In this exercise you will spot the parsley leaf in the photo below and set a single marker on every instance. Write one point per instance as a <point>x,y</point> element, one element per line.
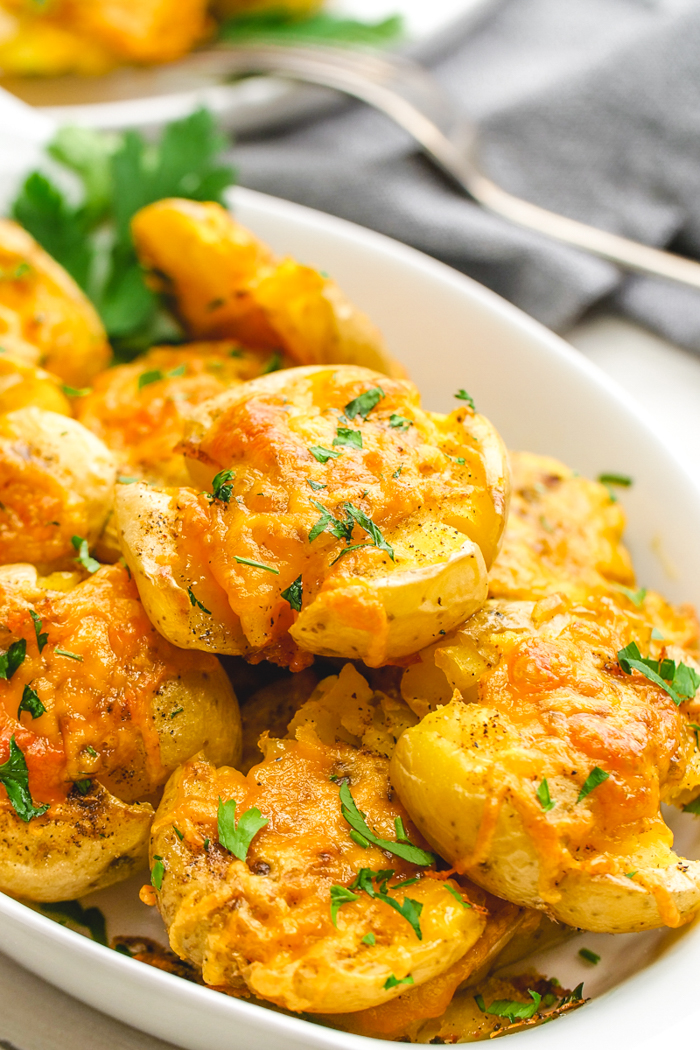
<point>12,659</point>
<point>363,405</point>
<point>82,786</point>
<point>324,454</point>
<point>195,602</point>
<point>255,564</point>
<point>394,982</point>
<point>83,557</point>
<point>157,872</point>
<point>146,378</point>
<point>462,395</point>
<point>91,918</point>
<point>356,820</point>
<point>369,939</point>
<point>72,391</point>
<point>119,175</point>
<point>368,525</point>
<point>30,702</point>
<point>315,485</point>
<point>349,437</point>
<point>294,594</point>
<point>594,779</point>
<point>273,365</point>
<point>510,1009</point>
<point>616,479</point>
<point>280,25</point>
<point>399,422</point>
<point>64,652</point>
<point>589,956</point>
<point>636,597</point>
<point>680,681</point>
<point>221,485</point>
<point>41,639</point>
<point>14,777</point>
<point>340,896</point>
<point>457,896</point>
<point>693,807</point>
<point>237,837</point>
<point>327,523</point>
<point>543,797</point>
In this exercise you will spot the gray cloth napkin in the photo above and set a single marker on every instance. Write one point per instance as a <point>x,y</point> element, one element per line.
<point>588,107</point>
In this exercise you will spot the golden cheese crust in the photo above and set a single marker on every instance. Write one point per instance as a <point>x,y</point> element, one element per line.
<point>118,709</point>
<point>23,385</point>
<point>551,703</point>
<point>139,409</point>
<point>56,482</point>
<point>389,517</point>
<point>43,308</point>
<point>224,283</point>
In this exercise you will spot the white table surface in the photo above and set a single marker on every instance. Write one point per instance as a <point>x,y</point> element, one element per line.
<point>666,382</point>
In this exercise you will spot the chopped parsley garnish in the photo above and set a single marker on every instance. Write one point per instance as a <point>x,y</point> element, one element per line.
<point>680,681</point>
<point>14,777</point>
<point>83,555</point>
<point>543,797</point>
<point>399,422</point>
<point>356,820</point>
<point>340,895</point>
<point>157,872</point>
<point>82,786</point>
<point>89,750</point>
<point>41,639</point>
<point>594,779</point>
<point>31,703</point>
<point>154,375</point>
<point>657,635</point>
<point>462,395</point>
<point>510,1009</point>
<point>622,480</point>
<point>397,472</point>
<point>176,712</point>
<point>369,939</point>
<point>273,365</point>
<point>234,836</point>
<point>64,652</point>
<point>315,485</point>
<point>221,485</point>
<point>349,437</point>
<point>294,593</point>
<point>394,982</point>
<point>401,835</point>
<point>195,602</point>
<point>363,405</point>
<point>72,391</point>
<point>324,454</point>
<point>13,658</point>
<point>696,729</point>
<point>125,479</point>
<point>409,909</point>
<point>589,956</point>
<point>343,529</point>
<point>327,523</point>
<point>693,807</point>
<point>457,896</point>
<point>574,997</point>
<point>179,833</point>
<point>636,597</point>
<point>631,874</point>
<point>92,919</point>
<point>255,564</point>
<point>281,26</point>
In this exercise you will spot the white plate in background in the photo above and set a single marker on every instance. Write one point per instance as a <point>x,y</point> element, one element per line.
<point>151,96</point>
<point>542,395</point>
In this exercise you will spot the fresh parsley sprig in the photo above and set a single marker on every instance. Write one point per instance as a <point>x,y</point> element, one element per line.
<point>13,658</point>
<point>680,681</point>
<point>31,703</point>
<point>83,556</point>
<point>364,403</point>
<point>236,836</point>
<point>41,639</point>
<point>356,820</point>
<point>14,777</point>
<point>510,1009</point>
<point>409,909</point>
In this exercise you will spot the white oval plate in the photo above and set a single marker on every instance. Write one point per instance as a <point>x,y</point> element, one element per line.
<point>543,396</point>
<point>146,98</point>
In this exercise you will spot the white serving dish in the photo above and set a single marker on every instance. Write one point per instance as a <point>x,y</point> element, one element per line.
<point>147,98</point>
<point>449,332</point>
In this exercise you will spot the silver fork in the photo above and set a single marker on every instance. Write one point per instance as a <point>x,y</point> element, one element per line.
<point>406,93</point>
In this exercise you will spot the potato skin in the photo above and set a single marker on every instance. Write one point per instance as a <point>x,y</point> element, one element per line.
<point>52,313</point>
<point>224,283</point>
<point>23,385</point>
<point>122,710</point>
<point>552,703</point>
<point>82,844</point>
<point>56,482</point>
<point>430,484</point>
<point>277,940</point>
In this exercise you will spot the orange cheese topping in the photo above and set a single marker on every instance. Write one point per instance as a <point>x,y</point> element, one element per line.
<point>400,466</point>
<point>144,423</point>
<point>98,700</point>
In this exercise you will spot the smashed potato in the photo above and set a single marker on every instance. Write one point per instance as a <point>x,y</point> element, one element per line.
<point>224,283</point>
<point>139,409</point>
<point>56,483</point>
<point>350,520</point>
<point>546,789</point>
<point>96,710</point>
<point>23,385</point>
<point>42,307</point>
